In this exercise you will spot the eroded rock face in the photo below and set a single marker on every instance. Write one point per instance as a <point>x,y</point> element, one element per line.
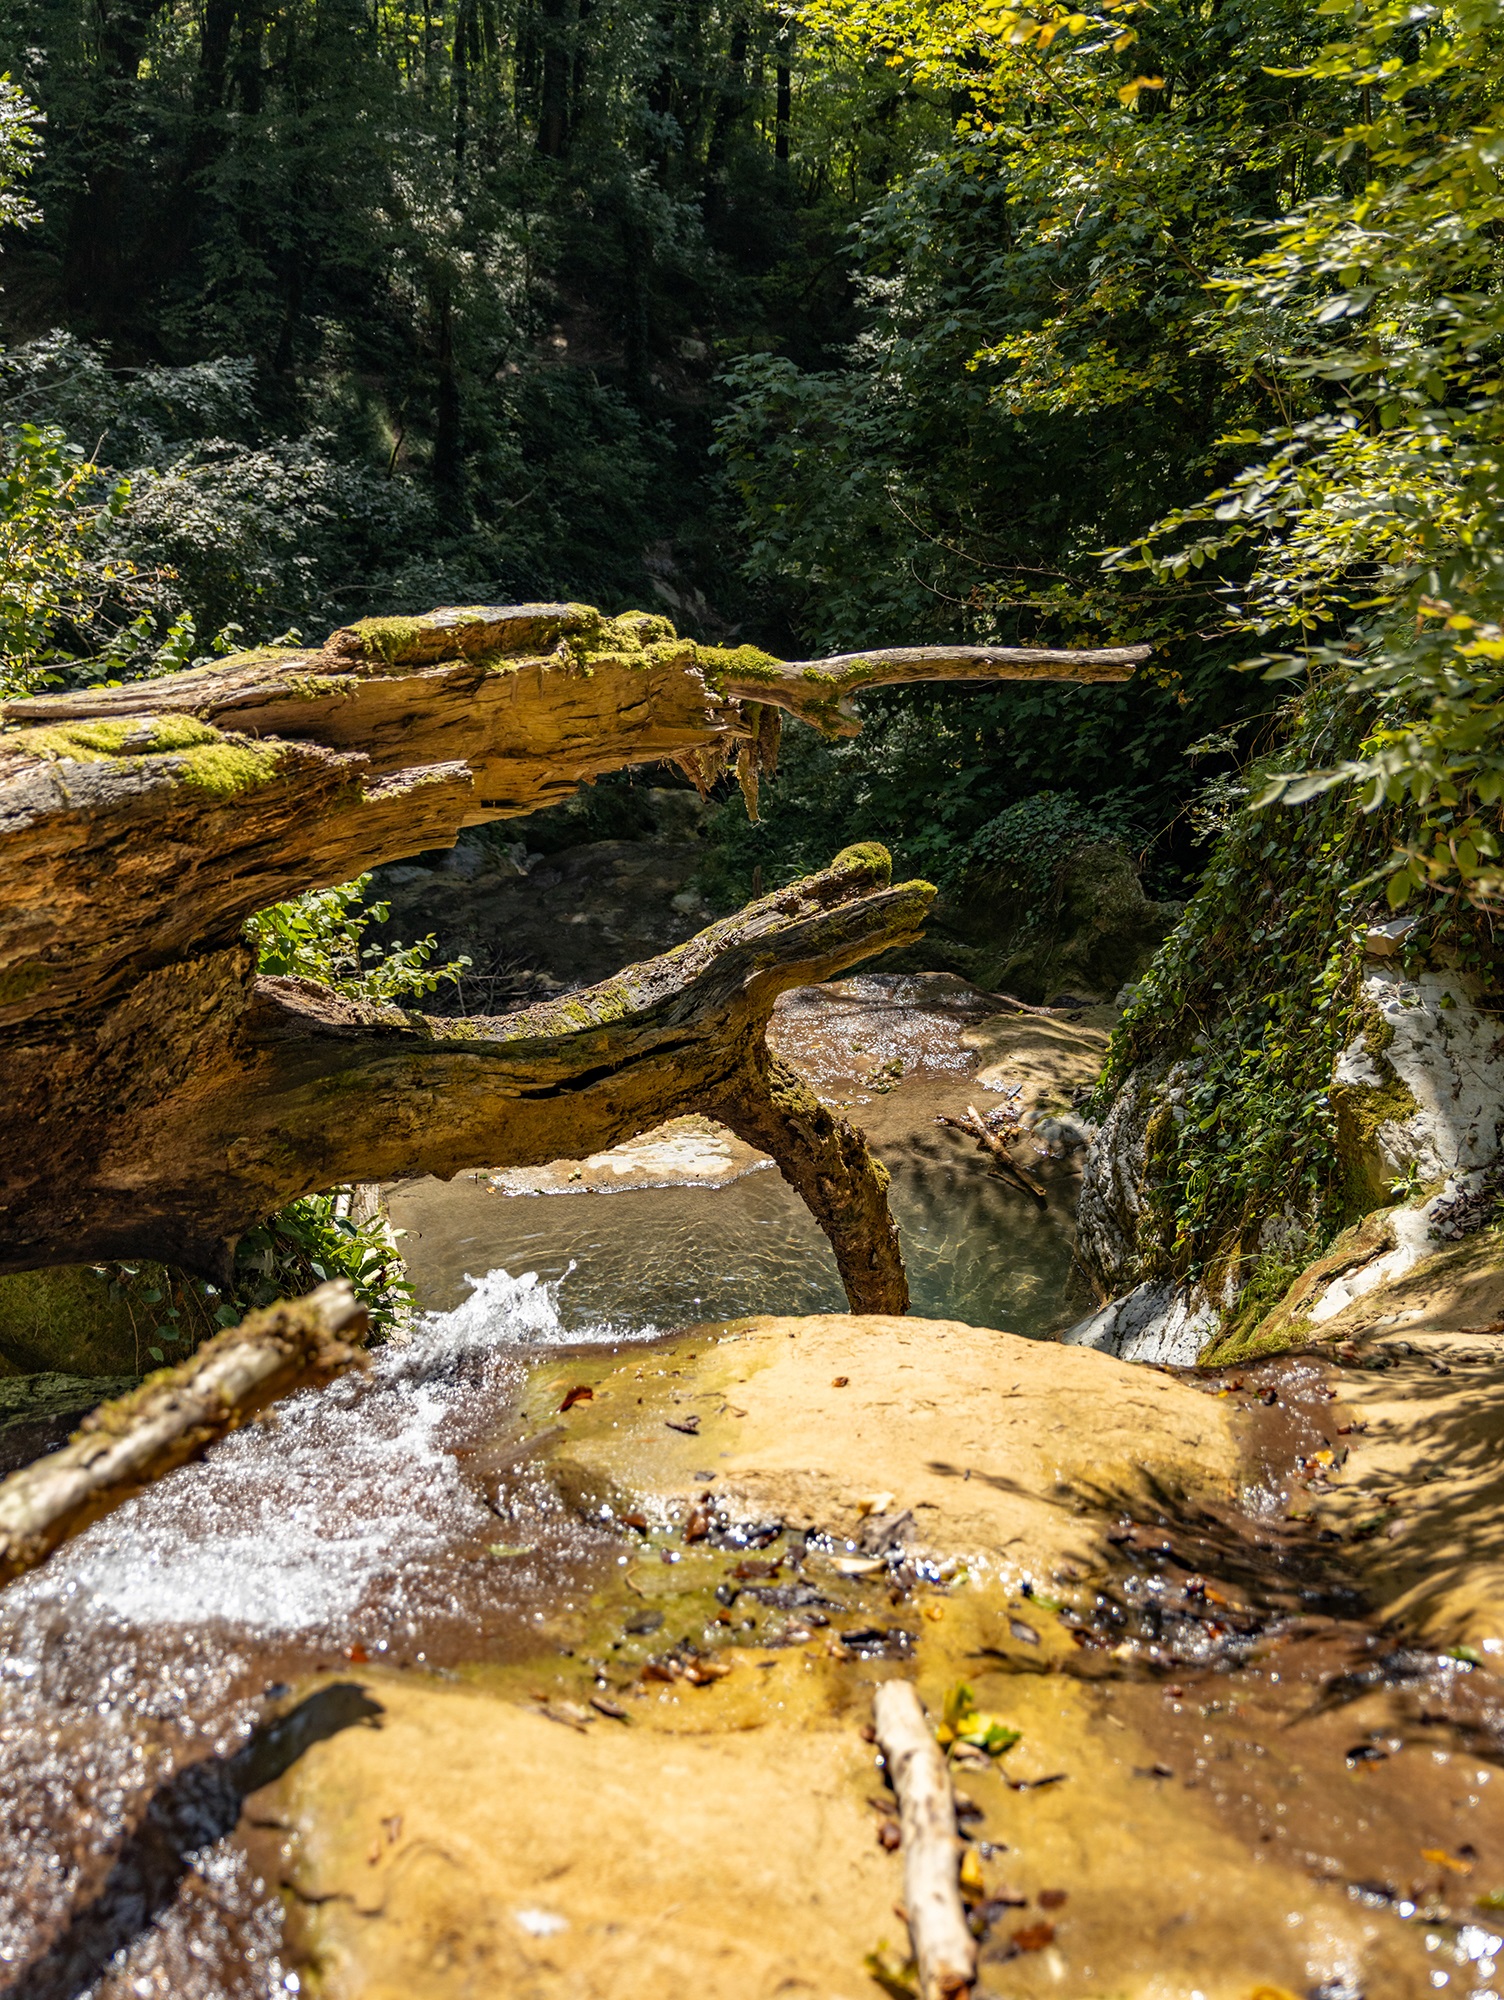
<point>1419,1098</point>
<point>1421,1091</point>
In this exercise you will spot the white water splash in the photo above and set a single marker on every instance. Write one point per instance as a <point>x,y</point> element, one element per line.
<point>289,1525</point>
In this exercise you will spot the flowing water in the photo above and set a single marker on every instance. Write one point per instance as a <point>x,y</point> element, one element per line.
<point>887,1050</point>
<point>181,1655</point>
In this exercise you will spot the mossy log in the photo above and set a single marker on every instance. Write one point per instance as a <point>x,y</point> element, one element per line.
<point>125,1445</point>
<point>158,1098</point>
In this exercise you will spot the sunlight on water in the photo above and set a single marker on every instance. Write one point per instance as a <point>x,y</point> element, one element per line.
<point>292,1524</point>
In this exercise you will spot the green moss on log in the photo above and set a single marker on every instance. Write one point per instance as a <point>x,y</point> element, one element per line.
<point>739,663</point>
<point>195,753</point>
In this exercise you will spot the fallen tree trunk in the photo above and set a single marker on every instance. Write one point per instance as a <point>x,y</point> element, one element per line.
<point>944,1949</point>
<point>127,1444</point>
<point>158,1098</point>
<point>215,1115</point>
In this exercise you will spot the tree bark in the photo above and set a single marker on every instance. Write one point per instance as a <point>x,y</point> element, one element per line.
<point>827,1163</point>
<point>125,1445</point>
<point>158,1098</point>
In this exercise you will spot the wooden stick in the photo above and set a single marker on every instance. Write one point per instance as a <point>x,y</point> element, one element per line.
<point>944,1948</point>
<point>126,1444</point>
<point>975,1126</point>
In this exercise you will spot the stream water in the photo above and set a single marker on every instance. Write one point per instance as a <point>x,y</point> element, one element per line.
<point>887,1050</point>
<point>179,1656</point>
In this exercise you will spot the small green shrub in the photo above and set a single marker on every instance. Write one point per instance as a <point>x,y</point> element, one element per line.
<point>318,936</point>
<point>310,1242</point>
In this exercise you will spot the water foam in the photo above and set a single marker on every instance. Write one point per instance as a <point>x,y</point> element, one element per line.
<point>289,1525</point>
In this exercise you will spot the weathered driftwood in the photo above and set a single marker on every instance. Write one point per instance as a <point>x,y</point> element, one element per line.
<point>127,1444</point>
<point>157,1098</point>
<point>944,1949</point>
<point>995,1145</point>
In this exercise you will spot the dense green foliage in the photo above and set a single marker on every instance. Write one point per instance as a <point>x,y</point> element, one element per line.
<point>320,936</point>
<point>309,1241</point>
<point>1248,1004</point>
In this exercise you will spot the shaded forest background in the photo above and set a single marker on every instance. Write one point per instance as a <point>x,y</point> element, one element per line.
<point>816,327</point>
<point>377,306</point>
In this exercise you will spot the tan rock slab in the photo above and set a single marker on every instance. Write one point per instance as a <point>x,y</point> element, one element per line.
<point>990,1439</point>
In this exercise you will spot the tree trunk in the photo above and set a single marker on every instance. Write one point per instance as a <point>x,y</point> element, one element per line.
<point>158,1098</point>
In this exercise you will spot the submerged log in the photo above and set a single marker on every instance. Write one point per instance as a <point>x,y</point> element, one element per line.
<point>944,1950</point>
<point>158,1098</point>
<point>125,1445</point>
<point>995,1145</point>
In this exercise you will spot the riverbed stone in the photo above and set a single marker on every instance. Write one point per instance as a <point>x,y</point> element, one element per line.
<point>981,1435</point>
<point>491,1833</point>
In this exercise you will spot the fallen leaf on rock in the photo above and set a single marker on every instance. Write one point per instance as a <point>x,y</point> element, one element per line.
<point>896,1975</point>
<point>962,1723</point>
<point>568,1712</point>
<point>689,1425</point>
<point>1034,1937</point>
<point>1439,1858</point>
<point>840,1381</point>
<point>578,1394</point>
<point>971,1874</point>
<point>700,1673</point>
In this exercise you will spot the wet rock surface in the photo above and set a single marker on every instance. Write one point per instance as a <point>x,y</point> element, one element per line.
<point>482,1674</point>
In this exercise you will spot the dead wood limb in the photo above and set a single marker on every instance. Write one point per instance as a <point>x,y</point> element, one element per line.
<point>1023,1007</point>
<point>819,691</point>
<point>230,1099</point>
<point>126,1445</point>
<point>826,1160</point>
<point>157,1098</point>
<point>944,1949</point>
<point>995,1144</point>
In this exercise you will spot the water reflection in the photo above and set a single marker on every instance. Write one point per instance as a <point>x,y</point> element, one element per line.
<point>975,1250</point>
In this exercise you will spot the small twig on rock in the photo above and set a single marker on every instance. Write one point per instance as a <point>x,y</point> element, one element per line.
<point>995,1144</point>
<point>1022,1006</point>
<point>944,1949</point>
<point>125,1445</point>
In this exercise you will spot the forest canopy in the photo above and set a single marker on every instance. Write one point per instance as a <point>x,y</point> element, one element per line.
<point>814,326</point>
